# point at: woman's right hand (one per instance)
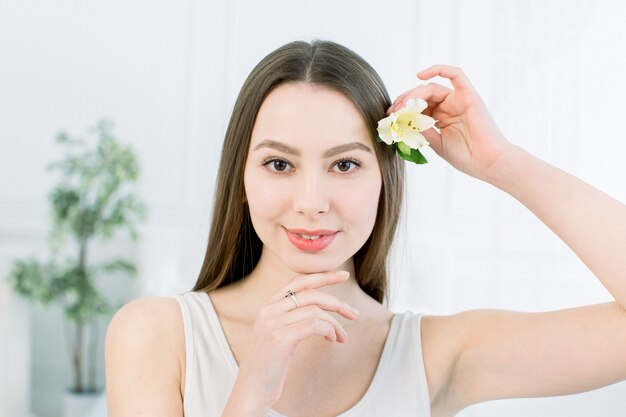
(469, 140)
(280, 326)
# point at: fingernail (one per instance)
(343, 273)
(355, 311)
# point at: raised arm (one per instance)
(505, 354)
(590, 222)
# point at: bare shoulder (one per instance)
(144, 358)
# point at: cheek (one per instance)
(359, 205)
(265, 198)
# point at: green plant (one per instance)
(89, 203)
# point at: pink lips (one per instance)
(326, 237)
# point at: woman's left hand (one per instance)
(469, 139)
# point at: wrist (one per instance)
(242, 403)
(507, 166)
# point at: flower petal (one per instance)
(414, 104)
(414, 139)
(423, 122)
(384, 130)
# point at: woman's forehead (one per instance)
(307, 115)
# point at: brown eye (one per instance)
(279, 165)
(344, 165)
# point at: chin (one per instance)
(308, 269)
(312, 266)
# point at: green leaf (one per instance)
(409, 154)
(378, 139)
(31, 279)
(64, 200)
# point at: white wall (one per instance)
(15, 358)
(168, 72)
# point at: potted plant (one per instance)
(89, 203)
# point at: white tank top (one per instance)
(398, 389)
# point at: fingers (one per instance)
(312, 304)
(305, 314)
(302, 282)
(433, 93)
(454, 74)
(314, 297)
(309, 327)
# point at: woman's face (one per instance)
(311, 165)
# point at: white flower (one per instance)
(406, 124)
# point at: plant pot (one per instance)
(78, 404)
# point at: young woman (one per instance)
(305, 192)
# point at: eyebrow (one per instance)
(283, 147)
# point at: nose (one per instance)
(311, 195)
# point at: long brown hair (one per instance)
(234, 248)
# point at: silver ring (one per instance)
(292, 295)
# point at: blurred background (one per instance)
(167, 74)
